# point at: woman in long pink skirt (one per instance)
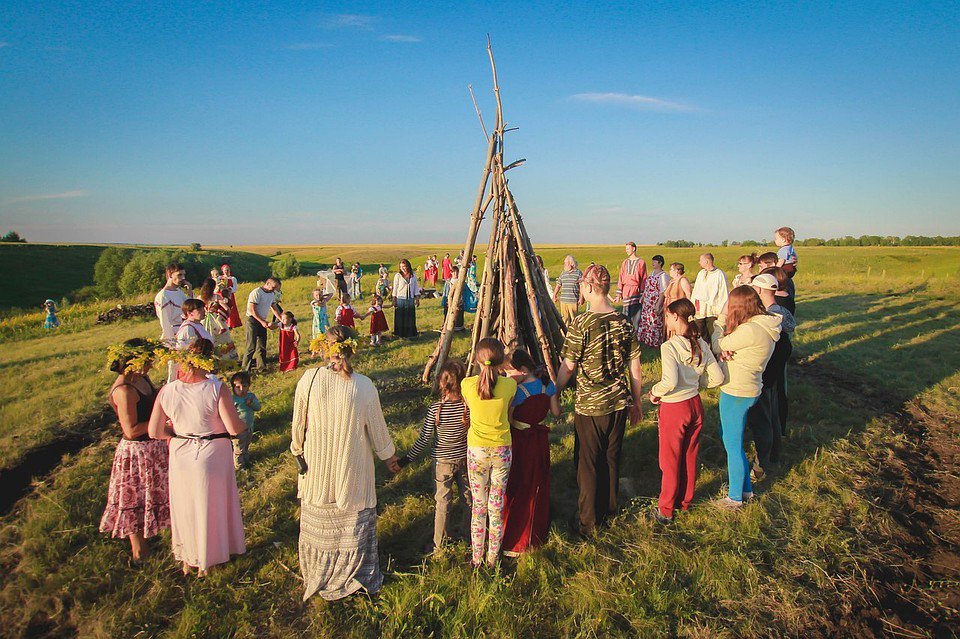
(205, 520)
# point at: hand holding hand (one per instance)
(393, 464)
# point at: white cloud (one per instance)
(632, 101)
(401, 38)
(351, 21)
(65, 195)
(308, 46)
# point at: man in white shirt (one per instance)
(260, 315)
(168, 301)
(709, 294)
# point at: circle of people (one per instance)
(181, 447)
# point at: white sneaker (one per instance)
(728, 504)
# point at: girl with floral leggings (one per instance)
(489, 453)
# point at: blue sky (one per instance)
(295, 122)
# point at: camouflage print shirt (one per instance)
(602, 345)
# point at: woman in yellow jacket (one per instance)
(744, 343)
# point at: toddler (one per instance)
(289, 340)
(378, 321)
(786, 254)
(247, 404)
(345, 314)
(318, 306)
(52, 321)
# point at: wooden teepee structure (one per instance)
(513, 303)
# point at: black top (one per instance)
(144, 405)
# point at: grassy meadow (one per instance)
(874, 322)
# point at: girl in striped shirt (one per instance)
(446, 421)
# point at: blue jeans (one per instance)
(733, 420)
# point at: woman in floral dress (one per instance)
(650, 331)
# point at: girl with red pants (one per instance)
(685, 357)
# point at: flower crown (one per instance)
(186, 358)
(321, 345)
(136, 357)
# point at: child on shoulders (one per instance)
(786, 254)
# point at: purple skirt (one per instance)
(138, 500)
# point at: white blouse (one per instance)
(405, 289)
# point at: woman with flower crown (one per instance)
(337, 427)
(195, 412)
(138, 504)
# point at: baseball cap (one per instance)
(765, 281)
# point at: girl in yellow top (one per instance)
(489, 454)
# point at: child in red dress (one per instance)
(289, 339)
(378, 321)
(345, 314)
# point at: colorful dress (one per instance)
(447, 267)
(345, 315)
(526, 507)
(138, 500)
(430, 273)
(51, 321)
(378, 321)
(289, 355)
(216, 323)
(233, 321)
(651, 315)
(320, 320)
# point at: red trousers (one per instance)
(679, 434)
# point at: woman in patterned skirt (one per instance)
(337, 427)
(651, 315)
(138, 499)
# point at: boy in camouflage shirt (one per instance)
(601, 350)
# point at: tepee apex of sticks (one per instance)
(514, 304)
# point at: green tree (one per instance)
(108, 270)
(286, 266)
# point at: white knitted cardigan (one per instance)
(336, 434)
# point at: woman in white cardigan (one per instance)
(337, 426)
(406, 299)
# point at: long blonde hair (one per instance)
(489, 356)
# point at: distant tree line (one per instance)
(121, 271)
(12, 236)
(848, 240)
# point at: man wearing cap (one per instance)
(763, 418)
(709, 294)
(602, 352)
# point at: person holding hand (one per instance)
(602, 352)
(260, 317)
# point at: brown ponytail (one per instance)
(489, 357)
(685, 310)
(448, 385)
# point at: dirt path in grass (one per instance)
(916, 593)
(42, 460)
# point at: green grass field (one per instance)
(874, 323)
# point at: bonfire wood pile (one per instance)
(514, 304)
(126, 311)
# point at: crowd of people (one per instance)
(487, 433)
